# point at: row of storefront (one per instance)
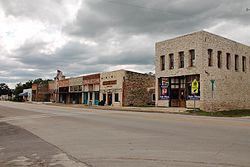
(116, 88)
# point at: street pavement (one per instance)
(44, 135)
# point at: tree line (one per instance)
(5, 90)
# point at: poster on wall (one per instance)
(164, 86)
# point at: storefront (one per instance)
(177, 90)
(75, 90)
(91, 88)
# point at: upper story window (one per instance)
(219, 59)
(192, 57)
(236, 62)
(181, 59)
(171, 61)
(210, 57)
(244, 63)
(162, 62)
(228, 64)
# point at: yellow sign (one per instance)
(195, 87)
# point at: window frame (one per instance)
(191, 57)
(228, 61)
(162, 62)
(181, 59)
(210, 57)
(117, 97)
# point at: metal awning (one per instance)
(23, 94)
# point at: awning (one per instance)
(23, 94)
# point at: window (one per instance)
(164, 88)
(243, 63)
(219, 59)
(210, 57)
(116, 97)
(236, 61)
(162, 63)
(153, 97)
(192, 57)
(181, 59)
(228, 61)
(171, 61)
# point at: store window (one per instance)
(116, 97)
(189, 80)
(164, 88)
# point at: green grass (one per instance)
(229, 113)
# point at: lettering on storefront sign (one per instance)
(113, 82)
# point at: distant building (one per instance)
(219, 65)
(4, 97)
(75, 90)
(126, 88)
(27, 95)
(40, 93)
(91, 88)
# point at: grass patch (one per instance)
(229, 113)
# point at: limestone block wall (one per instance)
(174, 46)
(75, 81)
(232, 88)
(136, 89)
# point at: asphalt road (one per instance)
(42, 135)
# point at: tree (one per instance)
(4, 89)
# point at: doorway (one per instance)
(110, 99)
(177, 92)
(85, 96)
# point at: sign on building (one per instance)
(195, 87)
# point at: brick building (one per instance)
(221, 67)
(40, 93)
(126, 88)
(91, 87)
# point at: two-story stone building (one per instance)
(221, 67)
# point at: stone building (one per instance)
(75, 90)
(221, 67)
(126, 88)
(91, 87)
(63, 90)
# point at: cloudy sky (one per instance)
(37, 37)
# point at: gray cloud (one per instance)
(110, 34)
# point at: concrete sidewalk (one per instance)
(135, 109)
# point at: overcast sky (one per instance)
(37, 37)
